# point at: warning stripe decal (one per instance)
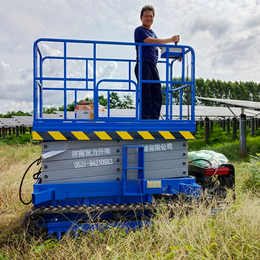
(145, 135)
(103, 136)
(57, 135)
(187, 135)
(80, 136)
(124, 135)
(166, 135)
(36, 136)
(115, 135)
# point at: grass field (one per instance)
(230, 234)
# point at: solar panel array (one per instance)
(200, 112)
(234, 102)
(16, 121)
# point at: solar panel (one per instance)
(24, 120)
(236, 103)
(200, 112)
(209, 111)
(9, 122)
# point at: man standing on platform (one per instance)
(151, 92)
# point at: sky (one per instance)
(225, 35)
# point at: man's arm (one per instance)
(175, 38)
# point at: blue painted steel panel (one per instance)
(107, 192)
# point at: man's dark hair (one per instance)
(147, 8)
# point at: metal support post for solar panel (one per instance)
(211, 123)
(197, 123)
(224, 124)
(256, 123)
(3, 132)
(220, 122)
(23, 129)
(234, 126)
(206, 130)
(30, 128)
(201, 124)
(0, 132)
(17, 131)
(10, 132)
(13, 130)
(242, 126)
(252, 124)
(228, 126)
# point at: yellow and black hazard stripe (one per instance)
(115, 135)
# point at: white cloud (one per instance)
(15, 85)
(107, 70)
(9, 105)
(4, 70)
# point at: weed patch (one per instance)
(230, 234)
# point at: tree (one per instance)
(49, 110)
(115, 102)
(127, 102)
(199, 90)
(13, 113)
(102, 101)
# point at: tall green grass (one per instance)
(223, 143)
(230, 234)
(13, 140)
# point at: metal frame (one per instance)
(112, 123)
(87, 193)
(119, 191)
(140, 188)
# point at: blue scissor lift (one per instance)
(112, 166)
